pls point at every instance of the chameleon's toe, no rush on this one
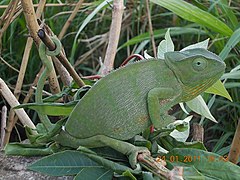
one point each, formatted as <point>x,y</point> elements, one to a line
<point>167,119</point>
<point>133,155</point>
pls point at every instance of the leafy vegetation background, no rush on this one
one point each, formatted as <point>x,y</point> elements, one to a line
<point>92,43</point>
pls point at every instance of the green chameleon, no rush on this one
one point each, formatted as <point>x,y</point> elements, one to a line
<point>127,101</point>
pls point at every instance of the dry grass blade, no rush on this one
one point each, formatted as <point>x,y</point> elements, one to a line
<point>6,19</point>
<point>71,17</point>
<point>151,29</point>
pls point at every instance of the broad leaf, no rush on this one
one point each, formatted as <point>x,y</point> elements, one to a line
<point>219,89</point>
<point>165,45</point>
<point>64,163</point>
<point>199,106</point>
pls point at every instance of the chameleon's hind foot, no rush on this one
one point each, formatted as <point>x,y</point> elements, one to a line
<point>134,153</point>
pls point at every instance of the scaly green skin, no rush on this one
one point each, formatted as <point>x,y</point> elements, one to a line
<point>130,99</point>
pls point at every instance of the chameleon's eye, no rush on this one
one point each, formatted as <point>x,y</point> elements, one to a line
<point>199,64</point>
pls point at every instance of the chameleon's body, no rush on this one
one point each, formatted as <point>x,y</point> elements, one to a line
<point>117,105</point>
<point>130,99</point>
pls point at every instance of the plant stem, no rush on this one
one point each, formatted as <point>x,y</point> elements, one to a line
<point>12,101</point>
<point>151,29</point>
<point>114,35</point>
<point>235,147</point>
<point>3,126</point>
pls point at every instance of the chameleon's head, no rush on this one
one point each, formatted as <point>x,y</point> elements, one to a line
<point>195,68</point>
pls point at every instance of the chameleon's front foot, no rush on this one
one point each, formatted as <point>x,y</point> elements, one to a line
<point>166,119</point>
<point>134,154</point>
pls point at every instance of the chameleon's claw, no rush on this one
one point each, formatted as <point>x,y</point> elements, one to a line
<point>133,155</point>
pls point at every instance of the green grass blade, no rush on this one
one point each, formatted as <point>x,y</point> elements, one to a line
<point>223,4</point>
<point>233,41</point>
<point>194,14</point>
<point>161,33</point>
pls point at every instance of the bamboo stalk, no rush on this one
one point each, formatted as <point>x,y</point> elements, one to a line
<point>151,29</point>
<point>114,35</point>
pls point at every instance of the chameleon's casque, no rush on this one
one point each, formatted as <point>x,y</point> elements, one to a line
<point>130,99</point>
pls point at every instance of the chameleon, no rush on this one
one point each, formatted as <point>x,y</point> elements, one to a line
<point>130,99</point>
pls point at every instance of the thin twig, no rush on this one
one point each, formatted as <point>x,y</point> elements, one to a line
<point>12,101</point>
<point>235,147</point>
<point>151,29</point>
<point>3,125</point>
<point>70,19</point>
<point>51,46</point>
<point>114,35</point>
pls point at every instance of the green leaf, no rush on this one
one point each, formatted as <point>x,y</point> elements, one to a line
<point>221,141</point>
<point>202,44</point>
<point>51,109</point>
<point>161,33</point>
<point>211,165</point>
<point>194,14</point>
<point>231,75</point>
<point>116,167</point>
<point>190,173</point>
<point>182,135</point>
<point>232,42</point>
<point>146,55</point>
<point>64,163</point>
<point>165,45</point>
<point>169,143</point>
<point>219,89</point>
<point>199,106</point>
<point>224,5</point>
<point>27,149</point>
<point>93,174</point>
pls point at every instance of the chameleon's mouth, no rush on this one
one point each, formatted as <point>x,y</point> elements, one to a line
<point>191,91</point>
